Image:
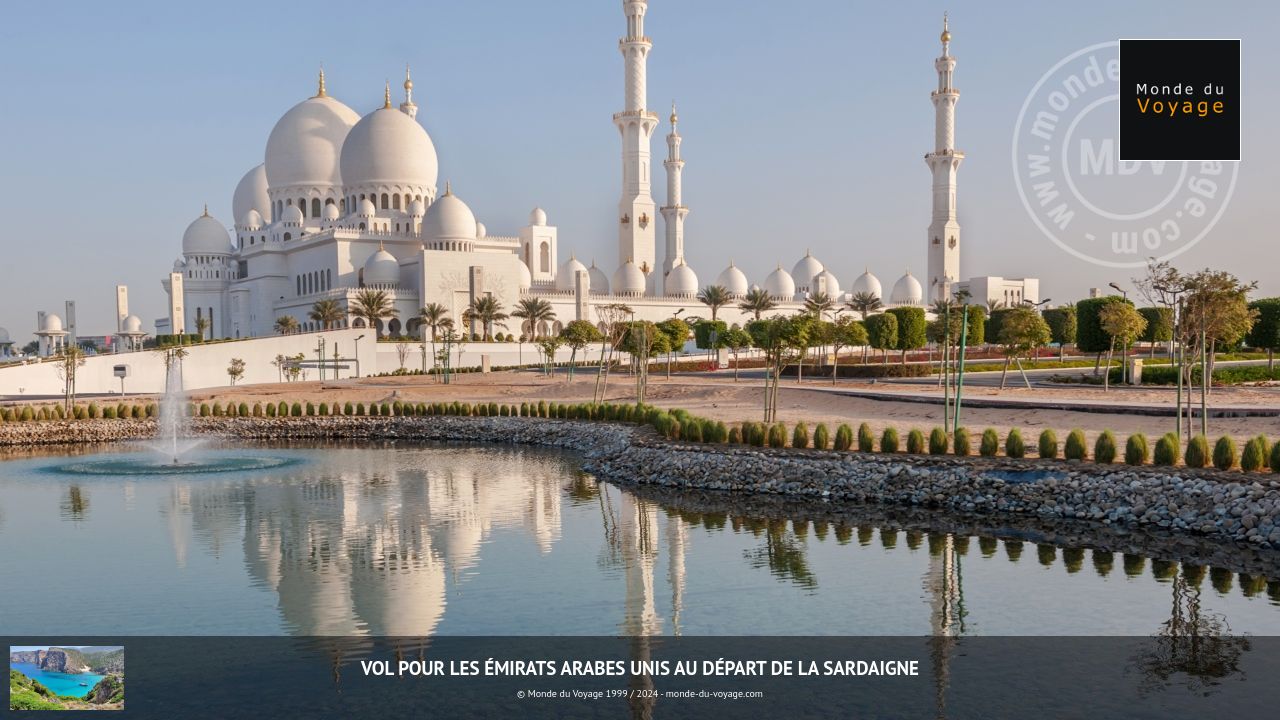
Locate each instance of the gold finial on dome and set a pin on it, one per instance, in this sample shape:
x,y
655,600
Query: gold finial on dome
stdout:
x,y
448,187
408,81
206,210
386,96
946,32
674,118
320,91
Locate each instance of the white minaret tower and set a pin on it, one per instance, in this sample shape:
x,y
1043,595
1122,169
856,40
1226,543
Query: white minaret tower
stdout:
x,y
674,212
636,209
407,107
944,162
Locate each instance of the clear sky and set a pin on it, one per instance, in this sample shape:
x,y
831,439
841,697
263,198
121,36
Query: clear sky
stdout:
x,y
804,126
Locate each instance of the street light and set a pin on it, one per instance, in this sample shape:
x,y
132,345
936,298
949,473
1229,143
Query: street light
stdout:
x,y
357,358
1171,292
1037,305
1123,293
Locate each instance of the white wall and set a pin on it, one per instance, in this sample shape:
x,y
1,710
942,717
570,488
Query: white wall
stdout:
x,y
204,367
500,355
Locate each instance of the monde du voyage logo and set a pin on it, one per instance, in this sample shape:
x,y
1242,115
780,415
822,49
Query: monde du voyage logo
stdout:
x,y
1126,150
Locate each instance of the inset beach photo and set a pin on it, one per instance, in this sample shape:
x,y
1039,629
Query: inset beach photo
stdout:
x,y
44,677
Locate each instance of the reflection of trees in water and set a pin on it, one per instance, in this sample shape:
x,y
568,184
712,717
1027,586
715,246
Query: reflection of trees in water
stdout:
x,y
76,504
784,554
1193,648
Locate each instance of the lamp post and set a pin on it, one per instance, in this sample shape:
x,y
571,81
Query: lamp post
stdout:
x,y
358,339
1176,360
1124,351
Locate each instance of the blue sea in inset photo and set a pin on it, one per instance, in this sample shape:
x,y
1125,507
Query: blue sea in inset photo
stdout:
x,y
60,683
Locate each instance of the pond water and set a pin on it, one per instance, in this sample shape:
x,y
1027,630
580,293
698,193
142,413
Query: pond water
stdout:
x,y
406,539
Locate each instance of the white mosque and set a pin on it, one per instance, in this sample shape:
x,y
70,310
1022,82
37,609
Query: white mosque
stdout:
x,y
343,202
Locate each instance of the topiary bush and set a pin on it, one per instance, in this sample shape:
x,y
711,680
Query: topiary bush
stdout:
x,y
282,409
1197,452
778,436
844,438
758,435
937,441
1274,459
800,436
989,446
296,409
1136,450
1047,447
915,442
1254,457
244,409
1014,446
94,411
821,437
889,441
693,432
1224,453
1166,452
866,439
109,413
735,435
1075,448
204,410
1104,449
961,444
721,433
271,409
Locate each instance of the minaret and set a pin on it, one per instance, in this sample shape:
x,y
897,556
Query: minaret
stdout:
x,y
636,221
674,212
407,107
944,162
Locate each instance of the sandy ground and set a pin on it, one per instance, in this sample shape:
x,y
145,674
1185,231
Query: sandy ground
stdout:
x,y
812,401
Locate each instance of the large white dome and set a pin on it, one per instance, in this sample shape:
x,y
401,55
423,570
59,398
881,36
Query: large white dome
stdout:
x,y
868,283
682,282
538,217
4,335
907,291
568,274
833,284
779,285
251,194
733,280
206,236
52,324
526,277
389,148
599,281
628,280
381,269
305,145
805,270
133,324
449,218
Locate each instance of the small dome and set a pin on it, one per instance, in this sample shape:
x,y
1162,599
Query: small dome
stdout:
x,y
733,280
833,285
628,280
417,208
292,215
387,147
179,264
251,194
381,269
907,291
331,212
568,274
868,283
206,236
133,324
449,218
52,324
599,281
526,277
305,144
538,217
481,230
251,220
805,270
682,282
4,335
367,208
780,285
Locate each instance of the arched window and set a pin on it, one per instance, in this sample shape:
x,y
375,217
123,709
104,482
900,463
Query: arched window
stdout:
x,y
361,226
302,205
315,207
385,201
395,202
289,202
288,237
544,258
328,282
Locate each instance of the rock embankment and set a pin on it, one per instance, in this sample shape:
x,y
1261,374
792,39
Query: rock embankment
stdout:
x,y
1228,507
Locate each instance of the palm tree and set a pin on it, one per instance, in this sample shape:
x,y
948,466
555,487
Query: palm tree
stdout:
x,y
286,324
818,305
757,302
864,303
533,312
432,316
326,312
488,312
202,327
994,304
373,306
714,297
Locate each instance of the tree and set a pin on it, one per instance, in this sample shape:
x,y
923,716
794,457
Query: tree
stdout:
x,y
1216,314
69,362
845,332
1123,323
532,312
818,305
714,297
1022,332
977,332
1159,326
286,324
912,329
882,332
779,338
994,304
577,335
327,313
864,302
1265,333
432,316
736,340
995,322
202,326
611,317
757,302
677,332
374,306
402,352
548,346
1090,337
235,370
706,333
487,311
1062,326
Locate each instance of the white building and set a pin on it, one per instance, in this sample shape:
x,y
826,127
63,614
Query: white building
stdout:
x,y
344,202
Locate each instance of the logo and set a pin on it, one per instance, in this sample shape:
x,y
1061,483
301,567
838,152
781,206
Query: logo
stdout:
x,y
1110,212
